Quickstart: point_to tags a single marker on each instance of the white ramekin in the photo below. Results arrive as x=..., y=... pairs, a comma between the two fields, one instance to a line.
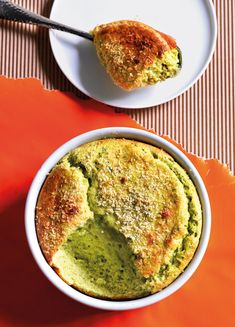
x=115, y=132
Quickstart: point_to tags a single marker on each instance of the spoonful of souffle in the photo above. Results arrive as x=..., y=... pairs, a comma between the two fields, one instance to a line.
x=134, y=54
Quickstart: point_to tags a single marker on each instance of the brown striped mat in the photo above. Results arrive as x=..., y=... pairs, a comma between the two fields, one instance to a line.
x=202, y=119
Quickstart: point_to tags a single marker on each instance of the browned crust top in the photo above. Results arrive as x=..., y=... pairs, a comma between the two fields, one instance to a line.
x=140, y=41
x=126, y=48
x=56, y=211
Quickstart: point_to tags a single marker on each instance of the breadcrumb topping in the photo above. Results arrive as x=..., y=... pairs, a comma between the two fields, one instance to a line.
x=129, y=49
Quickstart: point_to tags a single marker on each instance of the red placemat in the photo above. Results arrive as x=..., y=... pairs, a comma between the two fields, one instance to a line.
x=33, y=123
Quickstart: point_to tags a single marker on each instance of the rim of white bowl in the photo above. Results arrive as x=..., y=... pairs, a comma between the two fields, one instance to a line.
x=115, y=132
x=176, y=94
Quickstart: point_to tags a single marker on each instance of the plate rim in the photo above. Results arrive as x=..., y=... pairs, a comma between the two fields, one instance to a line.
x=214, y=34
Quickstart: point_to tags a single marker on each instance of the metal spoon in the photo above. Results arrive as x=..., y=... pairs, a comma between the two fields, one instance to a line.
x=10, y=11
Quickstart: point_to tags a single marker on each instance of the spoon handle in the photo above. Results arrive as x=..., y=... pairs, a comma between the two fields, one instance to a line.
x=10, y=11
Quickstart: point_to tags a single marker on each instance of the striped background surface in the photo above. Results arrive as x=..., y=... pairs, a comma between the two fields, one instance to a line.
x=202, y=119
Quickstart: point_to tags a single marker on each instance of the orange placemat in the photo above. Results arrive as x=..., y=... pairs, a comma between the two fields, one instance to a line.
x=33, y=123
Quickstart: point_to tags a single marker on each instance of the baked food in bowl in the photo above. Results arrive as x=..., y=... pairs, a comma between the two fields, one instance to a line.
x=118, y=219
x=136, y=55
x=129, y=218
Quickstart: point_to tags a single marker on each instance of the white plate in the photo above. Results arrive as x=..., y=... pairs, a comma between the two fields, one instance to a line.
x=191, y=22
